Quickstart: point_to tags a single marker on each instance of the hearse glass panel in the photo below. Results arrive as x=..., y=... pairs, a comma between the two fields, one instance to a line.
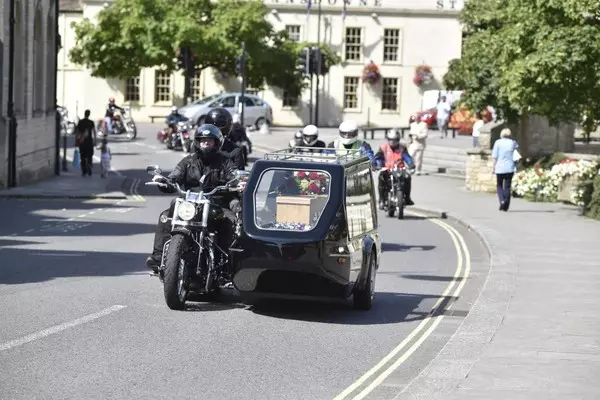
x=291, y=199
x=358, y=203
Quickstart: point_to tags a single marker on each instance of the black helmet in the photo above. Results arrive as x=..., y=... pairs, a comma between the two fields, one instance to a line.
x=221, y=118
x=208, y=131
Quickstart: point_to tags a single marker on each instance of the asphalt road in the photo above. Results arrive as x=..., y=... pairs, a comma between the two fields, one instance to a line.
x=82, y=319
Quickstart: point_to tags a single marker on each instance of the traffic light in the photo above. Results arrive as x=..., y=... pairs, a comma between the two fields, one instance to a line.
x=303, y=64
x=317, y=62
x=239, y=65
x=182, y=57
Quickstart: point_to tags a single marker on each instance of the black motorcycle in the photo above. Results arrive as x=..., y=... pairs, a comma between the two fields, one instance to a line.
x=395, y=203
x=192, y=261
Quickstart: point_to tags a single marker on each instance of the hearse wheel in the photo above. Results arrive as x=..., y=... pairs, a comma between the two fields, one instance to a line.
x=176, y=275
x=363, y=298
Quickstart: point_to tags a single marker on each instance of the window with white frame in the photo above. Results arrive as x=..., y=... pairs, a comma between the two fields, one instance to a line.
x=196, y=86
x=162, y=86
x=293, y=32
x=353, y=44
x=289, y=100
x=391, y=44
x=132, y=89
x=389, y=96
x=351, y=92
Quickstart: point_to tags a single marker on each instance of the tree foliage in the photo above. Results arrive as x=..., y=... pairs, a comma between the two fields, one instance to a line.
x=134, y=34
x=530, y=57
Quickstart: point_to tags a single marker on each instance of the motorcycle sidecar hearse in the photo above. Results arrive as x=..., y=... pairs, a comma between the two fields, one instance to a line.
x=310, y=228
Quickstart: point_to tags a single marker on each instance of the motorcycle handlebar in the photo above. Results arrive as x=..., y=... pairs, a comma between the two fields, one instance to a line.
x=183, y=192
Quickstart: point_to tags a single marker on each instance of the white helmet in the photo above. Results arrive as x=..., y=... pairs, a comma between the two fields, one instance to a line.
x=348, y=132
x=310, y=135
x=236, y=119
x=174, y=109
x=393, y=136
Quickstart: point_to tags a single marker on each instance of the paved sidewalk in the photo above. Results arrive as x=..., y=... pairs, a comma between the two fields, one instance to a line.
x=72, y=185
x=534, y=331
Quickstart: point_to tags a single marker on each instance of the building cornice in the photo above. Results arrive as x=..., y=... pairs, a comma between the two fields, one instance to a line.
x=327, y=9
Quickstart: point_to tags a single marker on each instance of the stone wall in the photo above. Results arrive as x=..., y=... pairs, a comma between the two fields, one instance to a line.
x=34, y=83
x=479, y=171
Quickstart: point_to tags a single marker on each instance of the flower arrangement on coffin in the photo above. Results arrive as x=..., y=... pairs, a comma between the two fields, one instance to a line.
x=371, y=73
x=289, y=226
x=311, y=182
x=423, y=75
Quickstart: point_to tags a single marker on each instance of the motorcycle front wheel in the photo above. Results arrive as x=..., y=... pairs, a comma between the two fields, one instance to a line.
x=391, y=208
x=176, y=274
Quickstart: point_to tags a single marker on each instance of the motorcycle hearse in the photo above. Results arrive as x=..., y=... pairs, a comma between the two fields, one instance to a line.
x=308, y=230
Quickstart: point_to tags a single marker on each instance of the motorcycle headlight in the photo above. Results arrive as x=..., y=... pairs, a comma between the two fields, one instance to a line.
x=186, y=210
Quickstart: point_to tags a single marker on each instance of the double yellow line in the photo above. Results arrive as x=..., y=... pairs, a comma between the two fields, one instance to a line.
x=376, y=375
x=135, y=196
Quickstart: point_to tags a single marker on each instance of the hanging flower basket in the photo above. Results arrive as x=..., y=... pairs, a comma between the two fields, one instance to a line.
x=423, y=75
x=371, y=73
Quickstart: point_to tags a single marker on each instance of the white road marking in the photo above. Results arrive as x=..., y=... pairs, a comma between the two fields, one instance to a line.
x=29, y=230
x=59, y=328
x=58, y=255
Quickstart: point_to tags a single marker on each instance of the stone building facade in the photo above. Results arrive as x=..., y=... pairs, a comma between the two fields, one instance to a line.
x=397, y=35
x=35, y=40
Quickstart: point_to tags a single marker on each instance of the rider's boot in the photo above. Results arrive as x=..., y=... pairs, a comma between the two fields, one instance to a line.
x=153, y=262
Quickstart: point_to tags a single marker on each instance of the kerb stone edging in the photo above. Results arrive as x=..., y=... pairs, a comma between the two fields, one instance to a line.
x=464, y=349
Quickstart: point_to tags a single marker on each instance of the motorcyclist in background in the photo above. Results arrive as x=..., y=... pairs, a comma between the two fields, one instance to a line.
x=222, y=119
x=173, y=119
x=296, y=141
x=208, y=160
x=110, y=114
x=310, y=138
x=349, y=140
x=388, y=155
x=238, y=136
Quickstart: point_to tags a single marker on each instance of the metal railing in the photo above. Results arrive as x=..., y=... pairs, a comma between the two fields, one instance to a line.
x=320, y=155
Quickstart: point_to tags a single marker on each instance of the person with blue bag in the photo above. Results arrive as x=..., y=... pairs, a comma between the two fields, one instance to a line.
x=390, y=154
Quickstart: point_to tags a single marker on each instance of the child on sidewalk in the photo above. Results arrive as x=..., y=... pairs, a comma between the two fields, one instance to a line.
x=105, y=157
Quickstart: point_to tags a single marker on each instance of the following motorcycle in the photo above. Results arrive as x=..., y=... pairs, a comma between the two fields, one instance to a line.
x=122, y=124
x=395, y=203
x=192, y=261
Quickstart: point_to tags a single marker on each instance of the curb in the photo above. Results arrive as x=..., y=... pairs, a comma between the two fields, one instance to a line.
x=111, y=194
x=464, y=349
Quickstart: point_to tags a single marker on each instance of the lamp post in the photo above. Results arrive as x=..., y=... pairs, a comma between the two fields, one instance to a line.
x=12, y=121
x=318, y=70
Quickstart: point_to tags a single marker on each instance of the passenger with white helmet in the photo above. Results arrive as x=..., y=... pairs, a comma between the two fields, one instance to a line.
x=419, y=130
x=390, y=154
x=349, y=140
x=173, y=119
x=310, y=140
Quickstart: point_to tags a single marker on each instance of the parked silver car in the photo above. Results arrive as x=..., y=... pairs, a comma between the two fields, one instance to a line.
x=256, y=111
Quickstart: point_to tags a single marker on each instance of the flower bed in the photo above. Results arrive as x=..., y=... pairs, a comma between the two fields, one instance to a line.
x=543, y=184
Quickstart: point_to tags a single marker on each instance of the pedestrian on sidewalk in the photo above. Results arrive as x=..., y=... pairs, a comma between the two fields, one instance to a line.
x=86, y=132
x=503, y=156
x=105, y=157
x=443, y=115
x=479, y=122
x=418, y=132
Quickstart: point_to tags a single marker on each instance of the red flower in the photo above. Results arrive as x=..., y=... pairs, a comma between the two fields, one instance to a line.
x=314, y=175
x=301, y=174
x=313, y=187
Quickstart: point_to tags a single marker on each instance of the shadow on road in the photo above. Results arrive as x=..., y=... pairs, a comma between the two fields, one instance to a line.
x=385, y=246
x=21, y=266
x=388, y=308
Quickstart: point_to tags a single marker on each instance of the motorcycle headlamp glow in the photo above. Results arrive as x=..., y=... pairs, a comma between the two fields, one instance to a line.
x=186, y=210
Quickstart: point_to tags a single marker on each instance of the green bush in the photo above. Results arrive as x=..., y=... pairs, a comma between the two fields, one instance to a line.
x=591, y=199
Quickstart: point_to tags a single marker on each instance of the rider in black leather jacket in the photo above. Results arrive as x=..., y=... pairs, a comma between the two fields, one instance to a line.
x=219, y=169
x=222, y=119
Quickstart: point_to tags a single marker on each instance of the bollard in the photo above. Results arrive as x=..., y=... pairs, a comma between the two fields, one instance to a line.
x=64, y=157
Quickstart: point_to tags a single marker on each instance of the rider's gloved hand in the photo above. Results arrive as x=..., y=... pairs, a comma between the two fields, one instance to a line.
x=161, y=180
